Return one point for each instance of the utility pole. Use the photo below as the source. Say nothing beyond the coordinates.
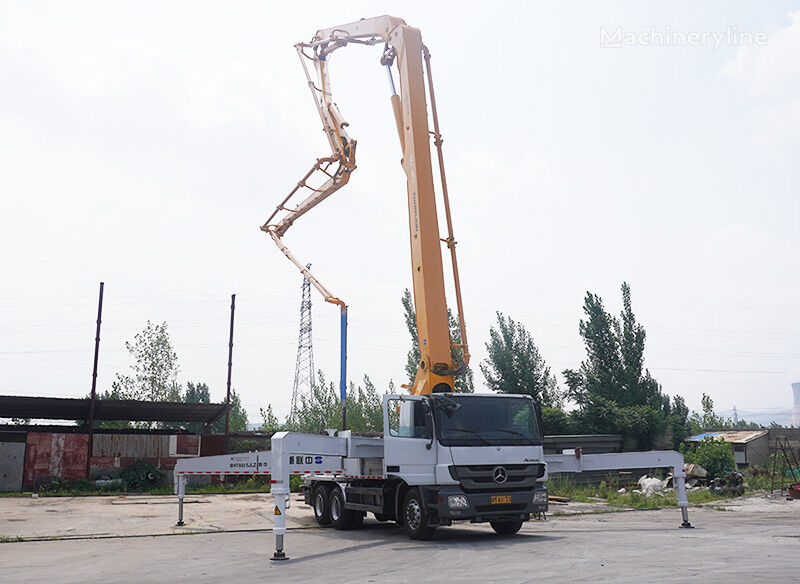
(90, 445)
(304, 367)
(230, 366)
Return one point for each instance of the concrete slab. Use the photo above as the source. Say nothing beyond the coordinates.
(756, 541)
(63, 517)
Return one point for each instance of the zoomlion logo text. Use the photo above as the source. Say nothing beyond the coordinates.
(305, 460)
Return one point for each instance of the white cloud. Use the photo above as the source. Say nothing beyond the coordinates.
(771, 73)
(772, 66)
(126, 69)
(779, 121)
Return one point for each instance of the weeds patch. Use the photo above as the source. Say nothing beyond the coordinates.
(564, 487)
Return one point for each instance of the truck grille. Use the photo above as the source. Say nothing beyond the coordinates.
(477, 478)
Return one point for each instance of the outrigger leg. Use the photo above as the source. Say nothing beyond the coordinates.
(279, 527)
(683, 501)
(180, 481)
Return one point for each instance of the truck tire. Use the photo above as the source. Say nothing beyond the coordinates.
(320, 501)
(506, 526)
(341, 518)
(415, 516)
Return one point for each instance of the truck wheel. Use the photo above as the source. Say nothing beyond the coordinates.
(341, 518)
(415, 516)
(506, 526)
(320, 500)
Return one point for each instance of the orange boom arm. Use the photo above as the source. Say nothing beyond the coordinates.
(403, 47)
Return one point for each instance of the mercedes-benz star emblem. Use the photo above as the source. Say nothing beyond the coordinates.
(500, 474)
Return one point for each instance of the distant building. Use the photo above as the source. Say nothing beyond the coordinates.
(750, 447)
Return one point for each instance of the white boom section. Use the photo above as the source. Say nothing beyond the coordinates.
(579, 462)
(247, 463)
(344, 456)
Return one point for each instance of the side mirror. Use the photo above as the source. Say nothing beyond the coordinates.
(429, 429)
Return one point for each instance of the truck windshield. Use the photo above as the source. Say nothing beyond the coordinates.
(477, 420)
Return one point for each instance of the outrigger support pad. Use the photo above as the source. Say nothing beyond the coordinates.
(685, 514)
(279, 555)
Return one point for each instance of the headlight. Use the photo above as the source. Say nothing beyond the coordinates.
(540, 496)
(457, 502)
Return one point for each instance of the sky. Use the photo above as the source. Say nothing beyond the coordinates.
(143, 145)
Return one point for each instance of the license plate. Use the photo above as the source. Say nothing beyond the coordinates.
(500, 499)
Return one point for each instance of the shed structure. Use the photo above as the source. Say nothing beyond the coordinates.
(32, 454)
(750, 447)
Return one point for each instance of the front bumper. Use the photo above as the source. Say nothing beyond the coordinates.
(480, 506)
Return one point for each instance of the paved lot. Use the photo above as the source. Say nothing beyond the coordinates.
(226, 540)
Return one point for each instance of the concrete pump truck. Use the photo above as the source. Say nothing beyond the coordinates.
(444, 456)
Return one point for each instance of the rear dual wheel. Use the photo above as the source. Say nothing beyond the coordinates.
(320, 500)
(340, 517)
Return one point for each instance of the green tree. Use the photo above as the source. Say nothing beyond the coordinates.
(196, 393)
(238, 417)
(113, 393)
(709, 420)
(556, 422)
(613, 390)
(322, 409)
(154, 372)
(514, 364)
(319, 410)
(716, 456)
(270, 422)
(199, 393)
(679, 421)
(462, 383)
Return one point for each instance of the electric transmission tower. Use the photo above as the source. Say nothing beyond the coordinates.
(304, 369)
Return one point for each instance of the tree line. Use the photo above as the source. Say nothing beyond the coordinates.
(609, 392)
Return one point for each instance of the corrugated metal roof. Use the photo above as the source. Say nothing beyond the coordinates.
(732, 436)
(59, 408)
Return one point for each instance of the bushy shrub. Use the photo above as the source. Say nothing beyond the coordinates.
(716, 456)
(236, 446)
(59, 486)
(49, 484)
(141, 476)
(556, 422)
(295, 482)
